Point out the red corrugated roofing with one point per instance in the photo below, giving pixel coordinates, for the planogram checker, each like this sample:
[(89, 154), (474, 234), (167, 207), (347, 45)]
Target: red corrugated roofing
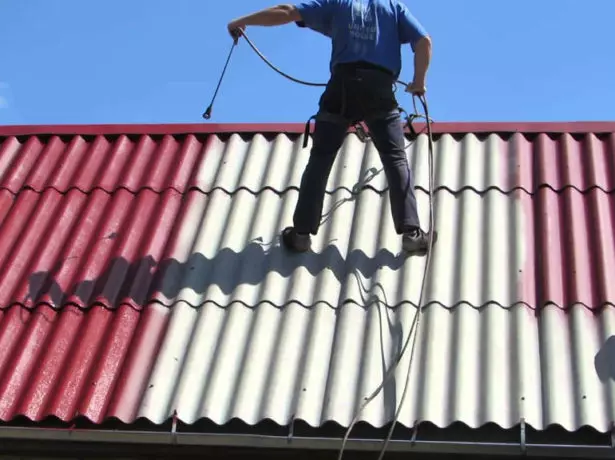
[(153, 159), (74, 363), (54, 244), (93, 222)]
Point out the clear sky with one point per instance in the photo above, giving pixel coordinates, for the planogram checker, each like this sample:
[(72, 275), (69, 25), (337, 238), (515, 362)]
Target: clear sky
[(158, 61)]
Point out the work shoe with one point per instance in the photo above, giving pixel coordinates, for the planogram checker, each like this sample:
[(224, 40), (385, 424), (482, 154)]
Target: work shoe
[(294, 241), (417, 241)]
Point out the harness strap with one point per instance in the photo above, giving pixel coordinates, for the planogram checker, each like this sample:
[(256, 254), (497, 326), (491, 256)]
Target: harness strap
[(409, 120), (306, 132), (342, 118), (361, 132)]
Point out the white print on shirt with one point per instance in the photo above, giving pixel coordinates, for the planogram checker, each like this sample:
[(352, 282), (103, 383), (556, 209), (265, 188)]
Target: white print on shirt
[(363, 24)]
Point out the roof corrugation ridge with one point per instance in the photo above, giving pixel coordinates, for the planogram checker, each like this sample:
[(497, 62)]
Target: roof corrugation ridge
[(408, 303), (353, 191)]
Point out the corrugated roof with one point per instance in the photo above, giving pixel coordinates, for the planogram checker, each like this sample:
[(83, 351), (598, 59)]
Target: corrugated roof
[(141, 274), (478, 366), (478, 161)]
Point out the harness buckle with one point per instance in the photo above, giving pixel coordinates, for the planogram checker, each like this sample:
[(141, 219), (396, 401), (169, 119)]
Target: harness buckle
[(361, 133), (409, 120)]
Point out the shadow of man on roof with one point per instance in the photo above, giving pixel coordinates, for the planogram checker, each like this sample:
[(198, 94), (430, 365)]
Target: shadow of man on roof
[(604, 361), (139, 281), (229, 269)]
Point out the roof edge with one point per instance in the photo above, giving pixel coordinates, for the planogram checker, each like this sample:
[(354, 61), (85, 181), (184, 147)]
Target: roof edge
[(577, 127), (290, 442)]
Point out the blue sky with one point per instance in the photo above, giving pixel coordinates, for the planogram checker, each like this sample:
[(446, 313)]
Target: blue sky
[(155, 61)]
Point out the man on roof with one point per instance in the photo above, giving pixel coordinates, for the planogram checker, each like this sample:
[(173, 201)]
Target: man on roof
[(367, 37)]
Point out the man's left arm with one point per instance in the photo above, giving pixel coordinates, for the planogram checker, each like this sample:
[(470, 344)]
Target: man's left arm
[(274, 16), (314, 14)]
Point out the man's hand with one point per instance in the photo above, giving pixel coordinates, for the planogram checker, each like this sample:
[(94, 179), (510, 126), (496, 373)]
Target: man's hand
[(416, 88), (236, 28)]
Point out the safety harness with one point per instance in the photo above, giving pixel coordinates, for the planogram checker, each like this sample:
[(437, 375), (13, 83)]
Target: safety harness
[(358, 127)]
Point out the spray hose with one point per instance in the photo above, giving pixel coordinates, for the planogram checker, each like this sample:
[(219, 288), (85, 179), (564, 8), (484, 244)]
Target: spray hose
[(417, 319)]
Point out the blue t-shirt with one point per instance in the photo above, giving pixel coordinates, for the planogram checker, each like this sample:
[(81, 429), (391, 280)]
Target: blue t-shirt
[(363, 30)]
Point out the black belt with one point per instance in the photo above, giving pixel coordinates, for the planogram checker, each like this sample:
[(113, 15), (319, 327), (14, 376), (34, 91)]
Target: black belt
[(363, 65)]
